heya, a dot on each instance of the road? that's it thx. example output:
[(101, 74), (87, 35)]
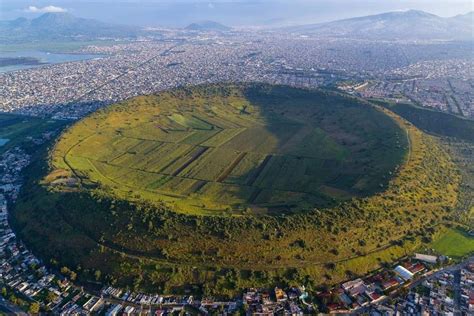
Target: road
[(9, 308)]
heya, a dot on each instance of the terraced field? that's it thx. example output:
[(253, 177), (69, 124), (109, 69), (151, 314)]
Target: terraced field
[(211, 150)]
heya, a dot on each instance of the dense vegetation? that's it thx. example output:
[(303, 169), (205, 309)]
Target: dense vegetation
[(457, 137), (142, 243), (433, 121), (462, 153)]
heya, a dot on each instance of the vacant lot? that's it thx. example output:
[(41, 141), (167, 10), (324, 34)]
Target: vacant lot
[(208, 150)]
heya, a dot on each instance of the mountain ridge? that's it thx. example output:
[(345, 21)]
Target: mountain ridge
[(410, 24), (207, 26), (62, 25)]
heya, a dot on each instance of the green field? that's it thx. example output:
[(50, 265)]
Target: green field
[(209, 150), (454, 243), (20, 130)]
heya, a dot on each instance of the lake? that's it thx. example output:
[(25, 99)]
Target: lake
[(42, 58)]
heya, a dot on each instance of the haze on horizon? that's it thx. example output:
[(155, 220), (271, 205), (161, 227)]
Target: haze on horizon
[(178, 13)]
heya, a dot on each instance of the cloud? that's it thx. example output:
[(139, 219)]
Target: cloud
[(210, 5), (46, 9)]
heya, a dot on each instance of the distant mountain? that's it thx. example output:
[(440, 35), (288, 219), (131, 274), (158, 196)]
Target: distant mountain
[(410, 25), (52, 26), (207, 26), (464, 18)]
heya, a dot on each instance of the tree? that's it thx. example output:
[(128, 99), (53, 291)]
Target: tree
[(34, 308), (73, 275), (97, 274), (350, 274), (64, 270), (330, 266), (51, 297)]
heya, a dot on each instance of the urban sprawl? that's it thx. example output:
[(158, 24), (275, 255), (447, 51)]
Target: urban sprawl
[(433, 74)]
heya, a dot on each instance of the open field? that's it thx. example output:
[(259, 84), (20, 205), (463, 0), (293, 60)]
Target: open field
[(454, 243), (214, 151), (18, 129), (341, 225)]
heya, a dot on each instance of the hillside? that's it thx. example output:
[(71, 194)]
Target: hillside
[(62, 26), (432, 121), (409, 25), (142, 244), (207, 26)]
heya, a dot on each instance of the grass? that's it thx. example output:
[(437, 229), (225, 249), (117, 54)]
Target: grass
[(455, 243), (218, 142), (17, 129)]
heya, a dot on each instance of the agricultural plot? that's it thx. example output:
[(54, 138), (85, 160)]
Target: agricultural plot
[(189, 121), (269, 150), (246, 169), (199, 136), (210, 166), (222, 137)]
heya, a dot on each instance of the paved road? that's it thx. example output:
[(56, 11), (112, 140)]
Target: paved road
[(457, 290), (9, 308)]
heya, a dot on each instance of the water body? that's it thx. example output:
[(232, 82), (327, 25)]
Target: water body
[(3, 141), (22, 59)]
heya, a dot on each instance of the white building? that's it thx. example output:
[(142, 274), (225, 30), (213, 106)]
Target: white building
[(403, 273), (426, 258)]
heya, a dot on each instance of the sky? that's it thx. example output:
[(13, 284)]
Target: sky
[(178, 13)]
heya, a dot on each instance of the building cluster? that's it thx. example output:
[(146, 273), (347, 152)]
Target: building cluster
[(395, 69), (20, 271), (442, 85), (127, 302), (292, 301), (449, 292), (371, 293)]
